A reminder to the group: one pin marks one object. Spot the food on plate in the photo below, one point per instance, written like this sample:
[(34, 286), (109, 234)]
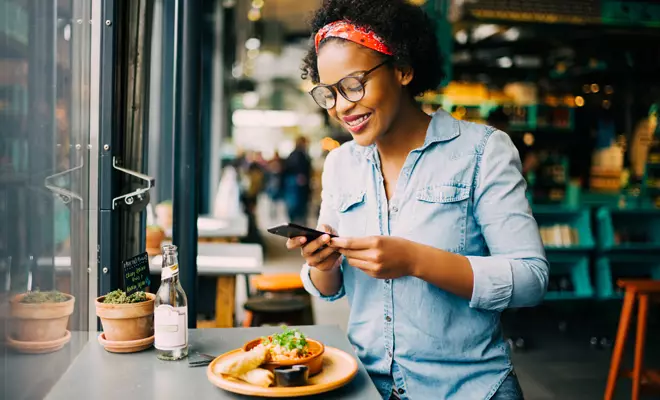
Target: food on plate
[(259, 377), (256, 364), (242, 362), (290, 344)]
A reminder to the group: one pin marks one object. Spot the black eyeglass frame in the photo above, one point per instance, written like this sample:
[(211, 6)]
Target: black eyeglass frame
[(337, 88)]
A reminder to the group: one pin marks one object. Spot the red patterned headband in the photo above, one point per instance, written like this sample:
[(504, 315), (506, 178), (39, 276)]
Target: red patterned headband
[(347, 30)]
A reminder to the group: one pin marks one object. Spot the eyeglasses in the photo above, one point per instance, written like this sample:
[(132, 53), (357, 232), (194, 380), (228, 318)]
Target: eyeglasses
[(350, 87)]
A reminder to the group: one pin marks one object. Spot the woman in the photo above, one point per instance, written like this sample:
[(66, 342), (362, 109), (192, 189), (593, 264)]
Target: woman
[(435, 235)]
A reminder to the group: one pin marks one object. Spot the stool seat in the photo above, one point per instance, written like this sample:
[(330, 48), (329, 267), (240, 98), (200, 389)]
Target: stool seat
[(277, 282), (275, 305), (275, 310), (640, 285)]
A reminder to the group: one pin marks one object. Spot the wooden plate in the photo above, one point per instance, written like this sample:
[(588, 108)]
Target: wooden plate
[(39, 347), (339, 368)]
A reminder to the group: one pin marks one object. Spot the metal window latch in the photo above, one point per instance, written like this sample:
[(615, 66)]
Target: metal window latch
[(65, 195), (138, 194)]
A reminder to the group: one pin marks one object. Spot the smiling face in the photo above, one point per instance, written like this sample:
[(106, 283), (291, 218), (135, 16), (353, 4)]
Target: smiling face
[(384, 90)]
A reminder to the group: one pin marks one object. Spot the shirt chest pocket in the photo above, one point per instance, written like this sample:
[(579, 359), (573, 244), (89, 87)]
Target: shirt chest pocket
[(440, 216), (352, 213)]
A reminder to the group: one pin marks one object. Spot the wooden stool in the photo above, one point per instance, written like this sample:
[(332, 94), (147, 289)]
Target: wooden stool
[(290, 311), (641, 379), (277, 283), (282, 286)]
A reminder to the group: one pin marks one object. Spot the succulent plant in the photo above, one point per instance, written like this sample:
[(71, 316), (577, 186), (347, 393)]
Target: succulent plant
[(119, 297), (38, 296)]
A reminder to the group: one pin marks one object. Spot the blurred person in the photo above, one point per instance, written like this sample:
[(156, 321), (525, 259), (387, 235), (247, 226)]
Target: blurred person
[(296, 178), (432, 220), (274, 184)]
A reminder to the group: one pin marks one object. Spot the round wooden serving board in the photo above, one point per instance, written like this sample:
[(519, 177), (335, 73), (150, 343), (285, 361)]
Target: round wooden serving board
[(339, 368)]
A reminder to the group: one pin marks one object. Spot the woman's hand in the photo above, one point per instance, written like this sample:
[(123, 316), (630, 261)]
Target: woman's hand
[(382, 257), (315, 253)]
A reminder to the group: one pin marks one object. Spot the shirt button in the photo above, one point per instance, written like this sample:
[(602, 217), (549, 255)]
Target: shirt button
[(395, 209), (389, 353), (388, 319), (387, 281), (401, 391)]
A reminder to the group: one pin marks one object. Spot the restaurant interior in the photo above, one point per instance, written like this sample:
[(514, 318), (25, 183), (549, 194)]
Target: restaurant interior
[(128, 126)]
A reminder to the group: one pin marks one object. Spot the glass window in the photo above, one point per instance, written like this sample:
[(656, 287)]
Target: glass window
[(45, 205)]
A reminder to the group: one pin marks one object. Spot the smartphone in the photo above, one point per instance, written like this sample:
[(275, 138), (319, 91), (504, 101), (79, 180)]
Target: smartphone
[(291, 230)]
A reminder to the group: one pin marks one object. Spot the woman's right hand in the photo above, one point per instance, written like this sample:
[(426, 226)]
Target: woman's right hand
[(323, 259)]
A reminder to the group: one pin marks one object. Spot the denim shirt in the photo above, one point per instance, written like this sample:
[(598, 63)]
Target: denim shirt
[(462, 192)]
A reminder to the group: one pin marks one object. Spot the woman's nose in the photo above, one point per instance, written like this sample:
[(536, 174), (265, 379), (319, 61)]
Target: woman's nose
[(343, 106)]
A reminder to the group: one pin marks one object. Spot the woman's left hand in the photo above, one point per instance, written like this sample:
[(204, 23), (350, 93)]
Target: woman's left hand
[(382, 257)]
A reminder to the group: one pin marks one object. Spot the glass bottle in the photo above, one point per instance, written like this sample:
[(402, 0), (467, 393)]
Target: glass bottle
[(171, 310)]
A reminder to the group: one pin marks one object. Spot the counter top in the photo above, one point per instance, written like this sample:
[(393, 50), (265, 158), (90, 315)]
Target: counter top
[(211, 227), (213, 259), (102, 375)]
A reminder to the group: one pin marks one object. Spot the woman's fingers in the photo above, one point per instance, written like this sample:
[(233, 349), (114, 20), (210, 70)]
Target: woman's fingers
[(295, 242), (366, 266), (319, 258), (315, 245)]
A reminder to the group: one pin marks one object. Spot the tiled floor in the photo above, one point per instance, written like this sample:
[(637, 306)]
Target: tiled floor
[(556, 365)]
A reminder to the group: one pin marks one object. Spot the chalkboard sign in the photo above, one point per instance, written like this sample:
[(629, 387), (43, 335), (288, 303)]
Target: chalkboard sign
[(136, 273)]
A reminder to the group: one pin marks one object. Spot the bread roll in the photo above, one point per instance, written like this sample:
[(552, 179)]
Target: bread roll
[(242, 362)]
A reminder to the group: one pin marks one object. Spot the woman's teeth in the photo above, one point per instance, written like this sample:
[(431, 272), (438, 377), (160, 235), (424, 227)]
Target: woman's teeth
[(359, 120)]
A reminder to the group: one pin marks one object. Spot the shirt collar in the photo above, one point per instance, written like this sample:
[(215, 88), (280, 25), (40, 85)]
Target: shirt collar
[(443, 128)]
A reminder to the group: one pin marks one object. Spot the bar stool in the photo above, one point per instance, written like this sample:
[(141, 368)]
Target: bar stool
[(286, 286), (642, 379), (275, 311)]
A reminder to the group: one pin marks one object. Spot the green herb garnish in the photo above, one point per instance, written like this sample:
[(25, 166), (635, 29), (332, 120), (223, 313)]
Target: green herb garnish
[(290, 339), (119, 297), (37, 296)]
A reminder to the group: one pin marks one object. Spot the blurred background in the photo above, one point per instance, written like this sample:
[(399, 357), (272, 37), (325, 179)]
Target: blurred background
[(128, 124)]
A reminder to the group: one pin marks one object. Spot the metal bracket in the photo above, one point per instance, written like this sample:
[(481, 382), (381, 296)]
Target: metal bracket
[(65, 195), (129, 198)]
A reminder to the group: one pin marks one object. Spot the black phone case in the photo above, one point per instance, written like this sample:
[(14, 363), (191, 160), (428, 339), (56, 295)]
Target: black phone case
[(293, 230)]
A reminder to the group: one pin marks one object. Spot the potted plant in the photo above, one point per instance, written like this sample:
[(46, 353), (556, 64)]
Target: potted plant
[(155, 236), (40, 316), (126, 318)]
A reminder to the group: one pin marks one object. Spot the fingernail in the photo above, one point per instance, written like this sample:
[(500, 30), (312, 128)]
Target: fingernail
[(303, 240), (326, 238)]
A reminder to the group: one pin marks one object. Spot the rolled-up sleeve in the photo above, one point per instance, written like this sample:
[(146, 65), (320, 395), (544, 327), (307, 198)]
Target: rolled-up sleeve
[(515, 274), (327, 216)]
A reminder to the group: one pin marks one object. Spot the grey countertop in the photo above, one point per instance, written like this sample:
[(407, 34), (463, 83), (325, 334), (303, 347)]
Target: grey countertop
[(101, 375)]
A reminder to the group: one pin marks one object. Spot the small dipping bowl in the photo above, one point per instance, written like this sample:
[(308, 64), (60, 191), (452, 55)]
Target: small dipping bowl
[(291, 376)]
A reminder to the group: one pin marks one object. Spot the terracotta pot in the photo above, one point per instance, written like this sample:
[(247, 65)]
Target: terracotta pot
[(123, 322), (164, 215), (155, 236), (314, 361), (39, 322)]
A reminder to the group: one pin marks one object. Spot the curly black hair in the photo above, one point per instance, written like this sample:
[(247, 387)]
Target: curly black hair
[(404, 27)]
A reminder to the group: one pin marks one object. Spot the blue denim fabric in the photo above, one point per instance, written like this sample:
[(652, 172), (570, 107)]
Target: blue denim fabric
[(462, 192)]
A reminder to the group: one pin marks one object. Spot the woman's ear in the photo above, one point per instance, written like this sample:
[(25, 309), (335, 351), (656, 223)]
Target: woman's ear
[(405, 75)]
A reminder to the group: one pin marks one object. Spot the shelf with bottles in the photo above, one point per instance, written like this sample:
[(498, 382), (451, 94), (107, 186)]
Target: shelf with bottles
[(629, 230), (569, 278), (609, 269), (565, 229)]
